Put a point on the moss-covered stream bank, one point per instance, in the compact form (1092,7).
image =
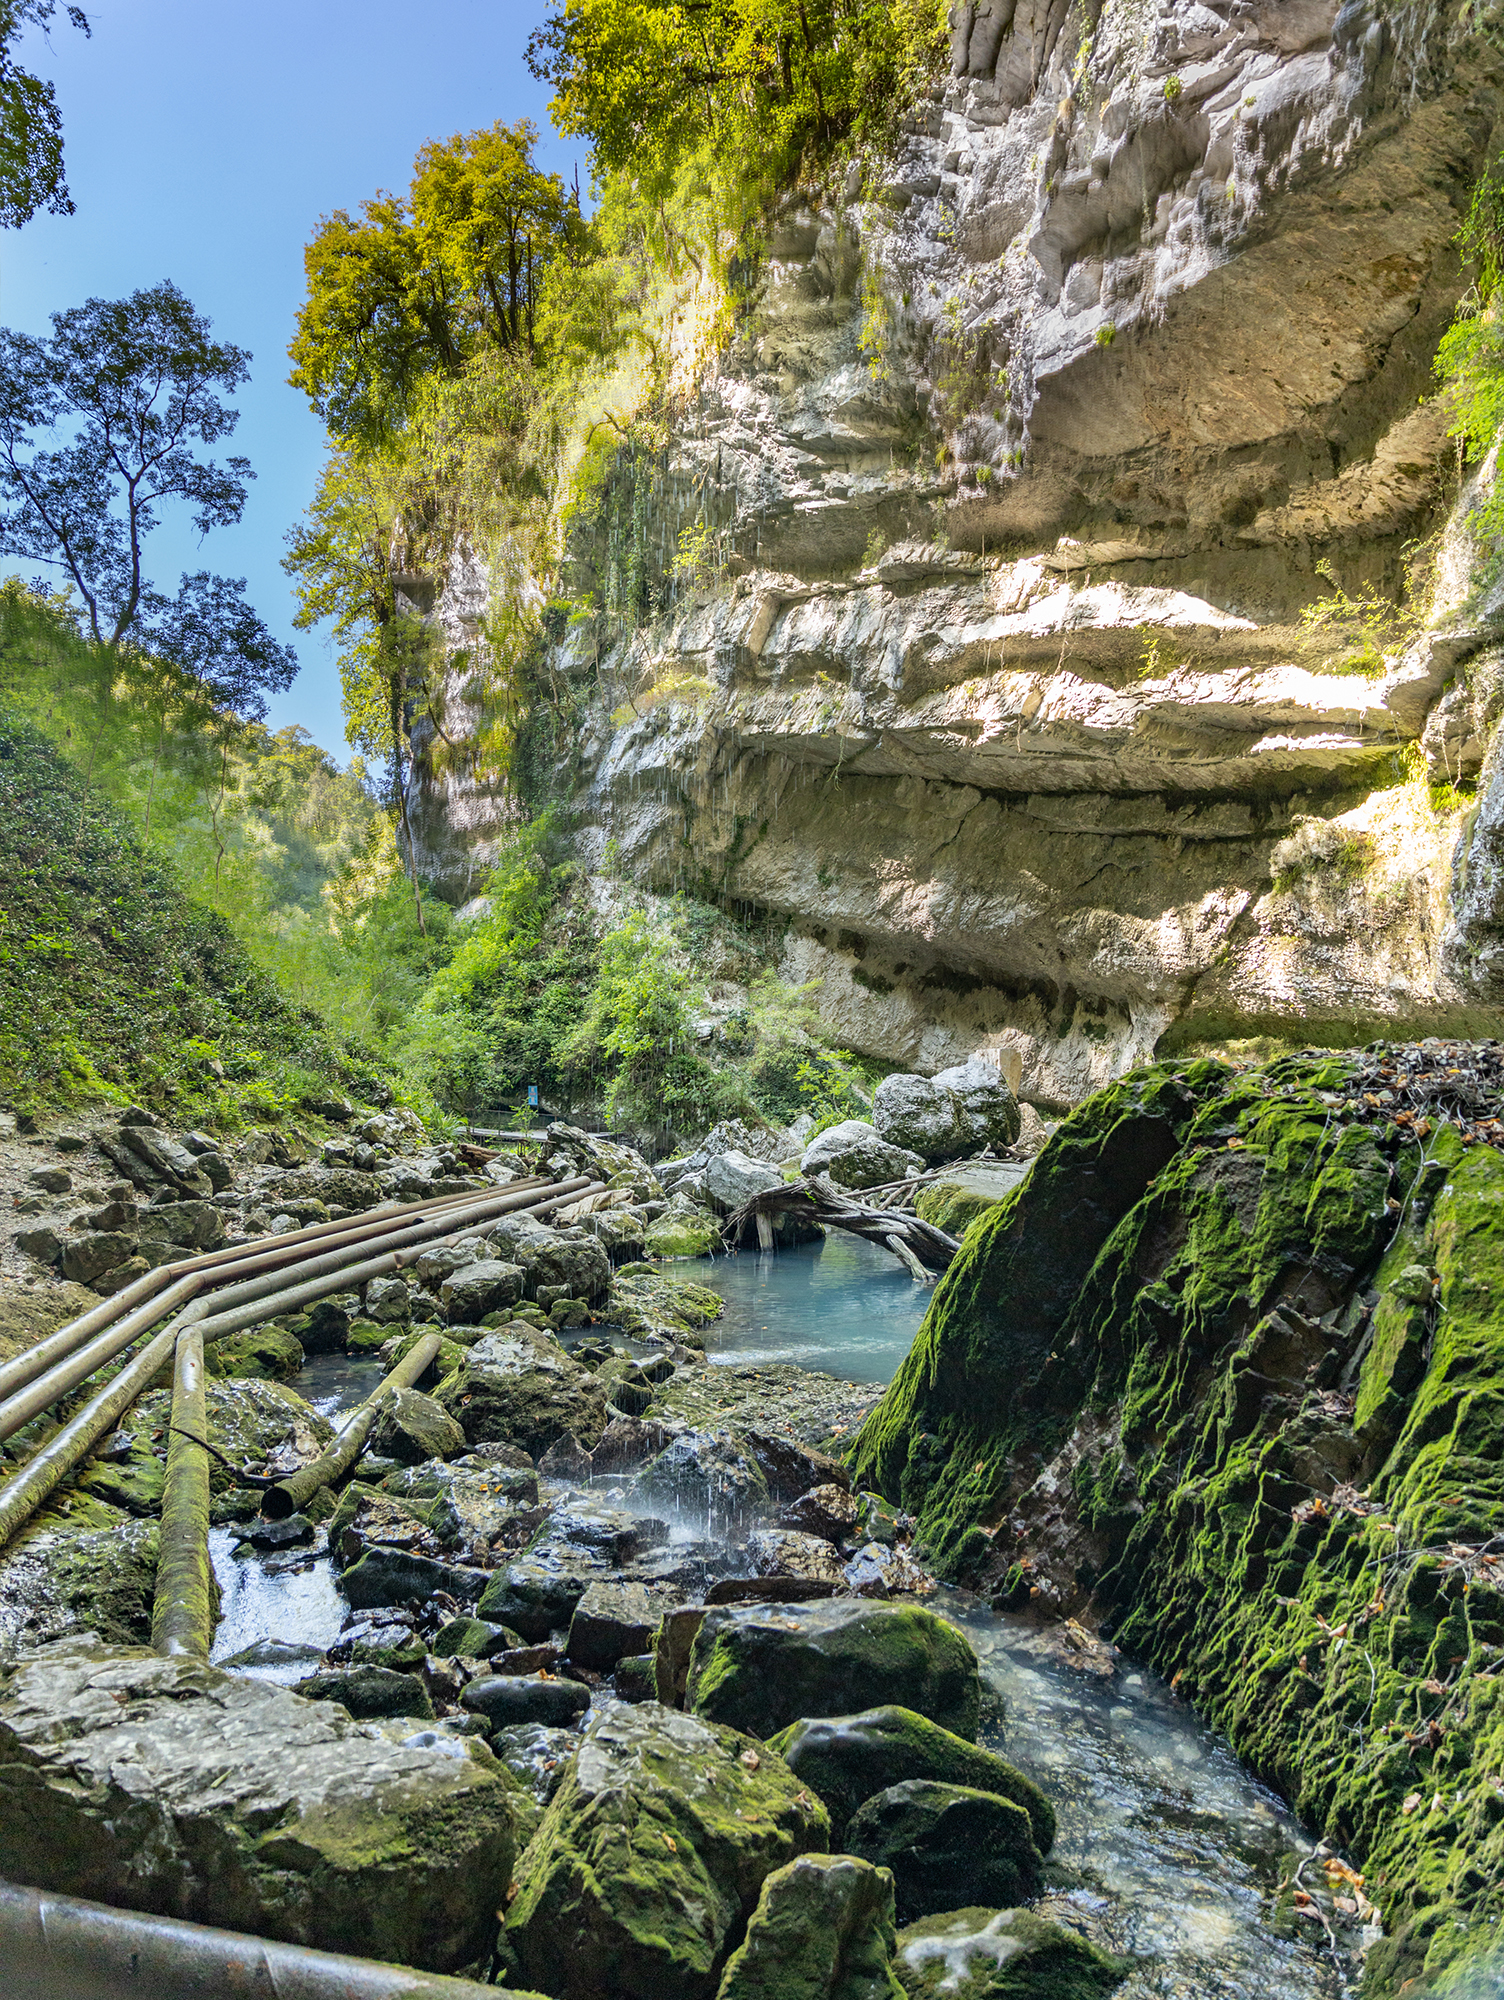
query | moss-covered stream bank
(1225,1378)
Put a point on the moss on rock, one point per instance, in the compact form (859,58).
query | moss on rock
(982,1954)
(849,1758)
(1244,1394)
(652,1855)
(822,1930)
(762,1667)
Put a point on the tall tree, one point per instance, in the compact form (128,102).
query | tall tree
(99,427)
(418,284)
(31,128)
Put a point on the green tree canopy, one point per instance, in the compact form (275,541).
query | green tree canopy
(31,128)
(419,283)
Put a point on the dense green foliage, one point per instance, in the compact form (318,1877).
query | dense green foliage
(31,127)
(1470,359)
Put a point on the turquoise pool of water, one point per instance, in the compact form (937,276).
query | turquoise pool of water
(841,1305)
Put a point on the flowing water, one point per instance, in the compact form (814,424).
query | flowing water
(1168,1851)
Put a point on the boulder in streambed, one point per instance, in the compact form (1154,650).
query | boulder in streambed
(168,1785)
(985,1954)
(509,1700)
(706,1472)
(413,1428)
(473,1290)
(369,1691)
(761,1667)
(855,1155)
(651,1858)
(268,1353)
(956,1111)
(822,1930)
(519,1387)
(613,1620)
(848,1759)
(945,1841)
(393,1576)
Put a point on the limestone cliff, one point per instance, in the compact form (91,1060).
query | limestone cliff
(1015,479)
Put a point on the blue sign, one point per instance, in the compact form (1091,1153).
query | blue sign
(532,1096)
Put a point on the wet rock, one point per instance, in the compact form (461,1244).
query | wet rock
(368,1691)
(388,1301)
(284,1534)
(790,1467)
(538,1757)
(269,1353)
(876,1571)
(271,1656)
(519,1387)
(413,1428)
(945,1841)
(627,1442)
(500,1454)
(982,1954)
(853,1155)
(784,1552)
(761,1668)
(621,1232)
(877,1520)
(627,1387)
(769,1590)
(166,1784)
(611,1620)
(475,1289)
(51,1180)
(957,1111)
(97,1575)
(635,1678)
(256,1424)
(387,1642)
(88,1257)
(955,1203)
(827,1511)
(706,1472)
(537,1593)
(567,1459)
(848,1759)
(650,1305)
(652,1855)
(473,1639)
(823,1929)
(394,1576)
(507,1700)
(128,1471)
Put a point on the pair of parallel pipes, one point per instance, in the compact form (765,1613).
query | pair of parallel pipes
(183,1614)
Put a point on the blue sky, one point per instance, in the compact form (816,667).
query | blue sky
(203,143)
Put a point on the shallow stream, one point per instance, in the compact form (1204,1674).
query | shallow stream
(1167,1849)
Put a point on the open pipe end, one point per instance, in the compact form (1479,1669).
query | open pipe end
(277,1504)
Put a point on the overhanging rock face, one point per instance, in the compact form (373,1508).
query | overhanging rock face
(1022,466)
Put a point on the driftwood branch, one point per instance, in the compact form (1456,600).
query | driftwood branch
(926,1250)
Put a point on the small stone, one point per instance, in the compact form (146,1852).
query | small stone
(51,1180)
(506,1700)
(471,1638)
(635,1678)
(70,1142)
(567,1459)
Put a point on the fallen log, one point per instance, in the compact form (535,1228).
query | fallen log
(918,1244)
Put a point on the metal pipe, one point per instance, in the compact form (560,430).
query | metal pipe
(62,1948)
(185,1607)
(21,1496)
(146,1294)
(299,1487)
(67,1374)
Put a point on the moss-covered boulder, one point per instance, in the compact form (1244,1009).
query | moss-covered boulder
(269,1353)
(761,1667)
(519,1387)
(648,1303)
(847,1759)
(250,1422)
(822,1930)
(678,1234)
(367,1691)
(168,1785)
(955,1203)
(652,1855)
(413,1428)
(1231,1365)
(944,1842)
(985,1954)
(81,1567)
